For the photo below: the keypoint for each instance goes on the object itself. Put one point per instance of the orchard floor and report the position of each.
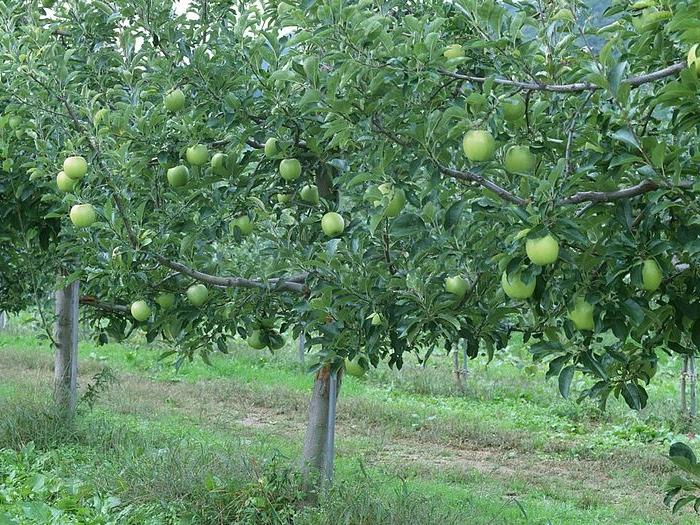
(508, 450)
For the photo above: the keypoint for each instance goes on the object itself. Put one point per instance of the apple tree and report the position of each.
(383, 176)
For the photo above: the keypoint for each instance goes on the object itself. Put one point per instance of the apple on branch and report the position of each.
(83, 215)
(479, 145)
(174, 101)
(140, 310)
(197, 294)
(332, 224)
(75, 167)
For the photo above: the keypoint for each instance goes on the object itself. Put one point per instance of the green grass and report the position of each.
(508, 450)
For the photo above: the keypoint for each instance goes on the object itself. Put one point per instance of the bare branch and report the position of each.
(575, 87)
(469, 176)
(120, 309)
(292, 284)
(623, 193)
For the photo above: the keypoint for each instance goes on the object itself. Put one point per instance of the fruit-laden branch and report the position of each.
(89, 300)
(228, 282)
(469, 176)
(575, 87)
(293, 284)
(623, 193)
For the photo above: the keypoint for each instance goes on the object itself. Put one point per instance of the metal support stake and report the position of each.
(330, 444)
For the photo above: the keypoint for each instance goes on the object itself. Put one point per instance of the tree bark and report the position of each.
(457, 371)
(66, 363)
(315, 456)
(302, 348)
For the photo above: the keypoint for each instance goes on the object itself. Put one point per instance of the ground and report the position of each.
(507, 450)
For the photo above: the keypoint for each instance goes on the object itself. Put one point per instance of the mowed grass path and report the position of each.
(507, 451)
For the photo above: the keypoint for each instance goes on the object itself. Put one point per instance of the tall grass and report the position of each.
(200, 482)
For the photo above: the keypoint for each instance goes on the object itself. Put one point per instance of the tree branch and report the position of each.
(292, 284)
(575, 87)
(89, 300)
(623, 193)
(469, 176)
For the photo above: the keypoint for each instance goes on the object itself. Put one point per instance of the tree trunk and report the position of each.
(684, 389)
(66, 364)
(302, 348)
(317, 457)
(465, 362)
(3, 320)
(693, 390)
(457, 371)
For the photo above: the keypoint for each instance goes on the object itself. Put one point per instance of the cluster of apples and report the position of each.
(480, 146)
(544, 251)
(332, 223)
(197, 295)
(75, 168)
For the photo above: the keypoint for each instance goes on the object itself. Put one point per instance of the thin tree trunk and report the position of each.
(66, 363)
(302, 348)
(684, 376)
(315, 456)
(457, 371)
(693, 390)
(465, 363)
(3, 320)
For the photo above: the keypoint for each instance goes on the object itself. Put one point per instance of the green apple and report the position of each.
(244, 224)
(309, 193)
(513, 108)
(542, 251)
(83, 215)
(197, 294)
(519, 160)
(75, 167)
(515, 288)
(284, 198)
(290, 169)
(694, 58)
(174, 101)
(140, 310)
(64, 182)
(456, 285)
(14, 122)
(479, 145)
(256, 340)
(165, 300)
(218, 163)
(582, 314)
(354, 368)
(332, 224)
(271, 147)
(197, 155)
(453, 51)
(178, 176)
(396, 204)
(651, 275)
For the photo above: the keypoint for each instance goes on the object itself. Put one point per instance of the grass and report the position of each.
(411, 448)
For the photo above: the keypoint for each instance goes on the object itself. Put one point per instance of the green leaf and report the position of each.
(565, 378)
(626, 136)
(454, 213)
